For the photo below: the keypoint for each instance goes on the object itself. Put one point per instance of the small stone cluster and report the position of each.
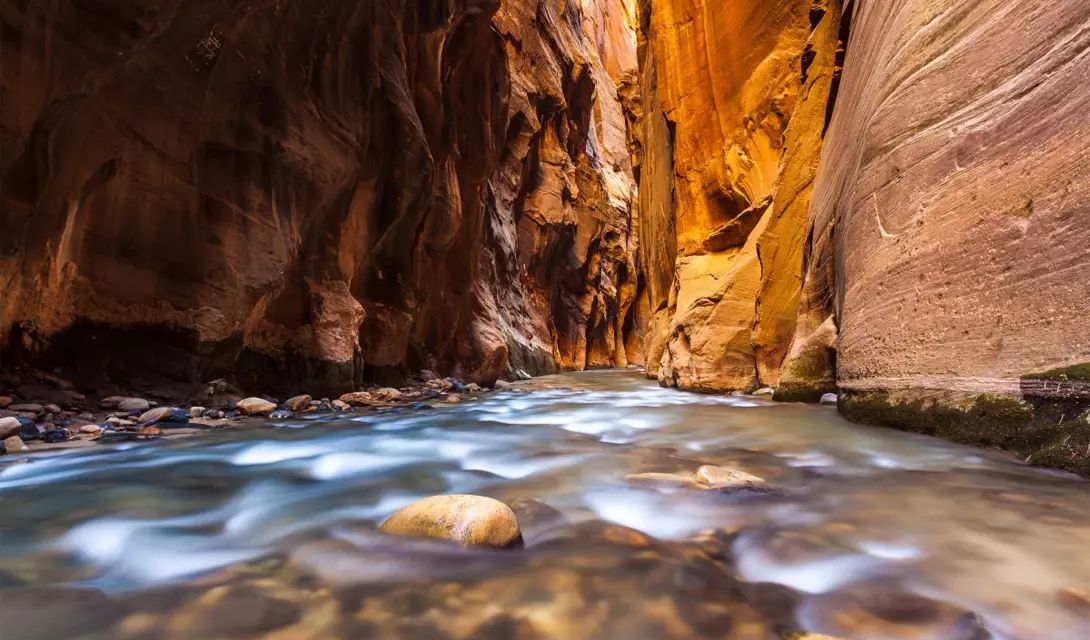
(42, 409)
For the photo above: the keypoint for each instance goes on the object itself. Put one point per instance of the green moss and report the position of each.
(1048, 432)
(1075, 373)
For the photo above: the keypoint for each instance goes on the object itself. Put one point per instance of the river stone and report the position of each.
(9, 427)
(14, 444)
(385, 394)
(706, 477)
(473, 387)
(242, 611)
(298, 403)
(357, 399)
(764, 391)
(468, 520)
(27, 407)
(254, 406)
(157, 414)
(427, 375)
(91, 429)
(51, 408)
(196, 412)
(128, 405)
(829, 398)
(340, 405)
(55, 436)
(5, 402)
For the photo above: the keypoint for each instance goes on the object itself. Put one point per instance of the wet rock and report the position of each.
(14, 444)
(153, 431)
(340, 405)
(473, 387)
(706, 477)
(501, 384)
(159, 414)
(255, 406)
(452, 398)
(213, 414)
(535, 517)
(129, 405)
(197, 412)
(9, 427)
(456, 384)
(385, 394)
(28, 407)
(298, 403)
(324, 407)
(764, 391)
(5, 402)
(427, 375)
(280, 414)
(886, 611)
(440, 385)
(242, 611)
(465, 519)
(829, 398)
(357, 399)
(55, 436)
(56, 612)
(30, 430)
(91, 429)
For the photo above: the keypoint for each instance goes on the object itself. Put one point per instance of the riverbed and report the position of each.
(271, 531)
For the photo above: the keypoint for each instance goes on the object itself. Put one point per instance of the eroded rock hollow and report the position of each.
(287, 190)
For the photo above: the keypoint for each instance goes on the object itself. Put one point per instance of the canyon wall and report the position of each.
(955, 171)
(733, 112)
(285, 190)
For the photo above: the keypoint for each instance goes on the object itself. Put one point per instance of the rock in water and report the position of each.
(385, 394)
(829, 398)
(14, 444)
(255, 406)
(9, 427)
(55, 436)
(158, 414)
(29, 430)
(468, 520)
(197, 412)
(91, 429)
(299, 403)
(357, 399)
(706, 477)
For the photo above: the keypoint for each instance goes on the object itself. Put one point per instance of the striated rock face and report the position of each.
(955, 174)
(285, 190)
(733, 113)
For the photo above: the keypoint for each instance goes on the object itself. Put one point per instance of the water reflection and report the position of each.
(871, 533)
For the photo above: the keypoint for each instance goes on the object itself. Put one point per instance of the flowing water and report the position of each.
(270, 532)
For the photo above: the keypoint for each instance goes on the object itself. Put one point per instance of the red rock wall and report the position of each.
(286, 189)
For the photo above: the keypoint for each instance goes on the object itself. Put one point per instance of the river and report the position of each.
(270, 531)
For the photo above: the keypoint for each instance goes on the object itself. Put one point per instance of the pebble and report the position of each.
(5, 402)
(255, 406)
(14, 444)
(829, 398)
(197, 412)
(465, 519)
(298, 403)
(357, 399)
(91, 429)
(9, 427)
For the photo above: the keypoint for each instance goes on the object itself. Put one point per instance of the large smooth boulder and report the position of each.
(465, 519)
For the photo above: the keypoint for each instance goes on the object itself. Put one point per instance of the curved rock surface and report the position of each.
(284, 190)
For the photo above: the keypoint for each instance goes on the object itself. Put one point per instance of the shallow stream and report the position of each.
(269, 532)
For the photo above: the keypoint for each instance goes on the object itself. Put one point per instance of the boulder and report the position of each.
(255, 406)
(128, 405)
(299, 403)
(385, 394)
(465, 519)
(158, 414)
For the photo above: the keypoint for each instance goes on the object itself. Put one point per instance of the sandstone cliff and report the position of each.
(281, 190)
(734, 109)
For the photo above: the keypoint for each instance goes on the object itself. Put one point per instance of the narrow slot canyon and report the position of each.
(748, 319)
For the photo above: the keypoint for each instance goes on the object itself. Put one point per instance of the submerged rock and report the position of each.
(56, 612)
(465, 519)
(706, 477)
(255, 406)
